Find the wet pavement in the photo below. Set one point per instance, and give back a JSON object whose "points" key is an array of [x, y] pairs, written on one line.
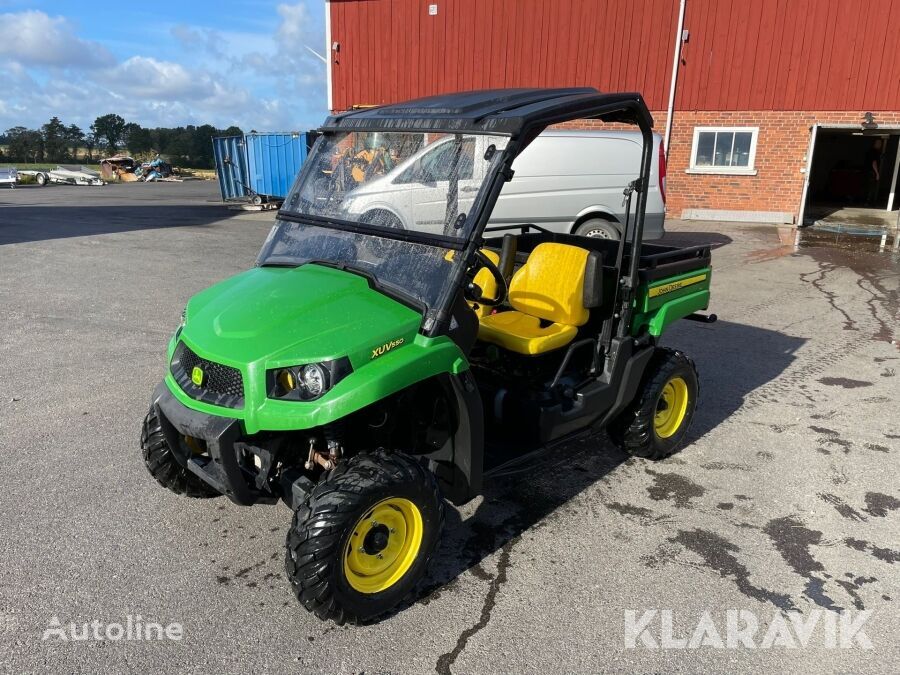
{"points": [[784, 506], [854, 219]]}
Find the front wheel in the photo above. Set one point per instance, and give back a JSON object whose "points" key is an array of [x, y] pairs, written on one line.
{"points": [[654, 426], [162, 465], [363, 539]]}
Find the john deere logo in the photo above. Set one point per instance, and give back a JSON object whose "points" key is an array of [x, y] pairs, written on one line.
{"points": [[656, 291], [386, 347], [198, 376]]}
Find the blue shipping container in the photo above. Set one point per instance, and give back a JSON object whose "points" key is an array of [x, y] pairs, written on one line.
{"points": [[231, 167], [263, 164]]}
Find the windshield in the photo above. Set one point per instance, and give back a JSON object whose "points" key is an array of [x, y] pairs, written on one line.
{"points": [[424, 184], [414, 272]]}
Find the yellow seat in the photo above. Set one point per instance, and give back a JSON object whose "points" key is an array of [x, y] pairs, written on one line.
{"points": [[487, 283], [523, 333], [547, 295]]}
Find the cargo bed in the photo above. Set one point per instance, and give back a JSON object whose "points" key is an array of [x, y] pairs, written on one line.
{"points": [[657, 261]]}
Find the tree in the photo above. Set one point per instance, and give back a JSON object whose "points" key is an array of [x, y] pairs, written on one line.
{"points": [[55, 140], [75, 137], [13, 133], [90, 142], [137, 139], [201, 146], [186, 146], [179, 144], [111, 128], [25, 145]]}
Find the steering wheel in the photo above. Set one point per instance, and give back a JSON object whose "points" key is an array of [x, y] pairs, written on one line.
{"points": [[473, 292]]}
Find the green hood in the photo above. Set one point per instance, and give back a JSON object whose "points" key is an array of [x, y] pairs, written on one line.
{"points": [[271, 317], [293, 315]]}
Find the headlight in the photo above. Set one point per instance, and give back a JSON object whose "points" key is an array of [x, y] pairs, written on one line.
{"points": [[312, 379], [307, 382]]}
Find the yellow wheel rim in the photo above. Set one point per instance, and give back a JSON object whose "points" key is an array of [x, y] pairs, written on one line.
{"points": [[671, 408], [383, 545]]}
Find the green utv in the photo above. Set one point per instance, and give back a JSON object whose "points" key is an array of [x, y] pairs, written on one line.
{"points": [[389, 350]]}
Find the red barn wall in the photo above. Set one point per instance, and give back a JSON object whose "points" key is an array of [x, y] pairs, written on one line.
{"points": [[791, 55], [392, 50], [741, 55]]}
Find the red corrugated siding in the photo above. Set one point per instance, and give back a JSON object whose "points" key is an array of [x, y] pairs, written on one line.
{"points": [[791, 55], [742, 54], [392, 50]]}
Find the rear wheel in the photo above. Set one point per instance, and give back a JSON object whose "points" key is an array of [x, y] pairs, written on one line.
{"points": [[41, 179], [163, 466], [363, 539], [656, 423], [597, 227]]}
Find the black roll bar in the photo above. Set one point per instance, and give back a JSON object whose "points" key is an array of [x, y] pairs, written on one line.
{"points": [[643, 185], [631, 109]]}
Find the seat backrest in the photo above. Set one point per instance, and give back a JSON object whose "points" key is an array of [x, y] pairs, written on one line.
{"points": [[486, 282], [550, 285]]}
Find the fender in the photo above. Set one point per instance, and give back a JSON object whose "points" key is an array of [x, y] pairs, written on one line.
{"points": [[594, 211], [459, 464], [378, 206]]}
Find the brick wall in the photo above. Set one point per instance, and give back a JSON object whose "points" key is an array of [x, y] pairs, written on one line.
{"points": [[780, 158]]}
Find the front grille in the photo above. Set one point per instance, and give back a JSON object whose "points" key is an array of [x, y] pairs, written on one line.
{"points": [[223, 385]]}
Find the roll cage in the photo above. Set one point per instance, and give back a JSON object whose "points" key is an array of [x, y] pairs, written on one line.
{"points": [[521, 114]]}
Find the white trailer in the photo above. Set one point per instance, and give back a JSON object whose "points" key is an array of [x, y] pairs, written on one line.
{"points": [[66, 175], [8, 176]]}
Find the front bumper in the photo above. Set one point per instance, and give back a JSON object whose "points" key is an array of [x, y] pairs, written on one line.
{"points": [[223, 464]]}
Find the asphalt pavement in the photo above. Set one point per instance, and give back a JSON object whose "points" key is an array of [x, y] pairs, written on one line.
{"points": [[783, 509]]}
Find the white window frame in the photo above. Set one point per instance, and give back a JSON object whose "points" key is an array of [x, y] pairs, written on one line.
{"points": [[749, 170]]}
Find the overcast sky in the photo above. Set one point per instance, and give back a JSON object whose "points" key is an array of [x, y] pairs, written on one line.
{"points": [[166, 63]]}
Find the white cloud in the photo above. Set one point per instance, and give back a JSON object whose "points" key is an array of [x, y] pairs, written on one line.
{"points": [[263, 80], [198, 39], [298, 70], [146, 77], [34, 38], [296, 27]]}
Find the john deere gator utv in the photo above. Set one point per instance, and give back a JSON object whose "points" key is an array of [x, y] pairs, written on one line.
{"points": [[382, 358]]}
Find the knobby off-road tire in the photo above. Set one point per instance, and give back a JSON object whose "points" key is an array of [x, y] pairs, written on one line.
{"points": [[163, 466], [332, 536], [656, 423]]}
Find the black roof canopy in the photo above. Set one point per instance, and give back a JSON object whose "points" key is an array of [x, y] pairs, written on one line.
{"points": [[495, 111]]}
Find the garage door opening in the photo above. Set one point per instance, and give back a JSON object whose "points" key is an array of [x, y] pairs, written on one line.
{"points": [[843, 185]]}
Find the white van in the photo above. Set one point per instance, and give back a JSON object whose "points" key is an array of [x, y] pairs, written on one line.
{"points": [[564, 181], [573, 182]]}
